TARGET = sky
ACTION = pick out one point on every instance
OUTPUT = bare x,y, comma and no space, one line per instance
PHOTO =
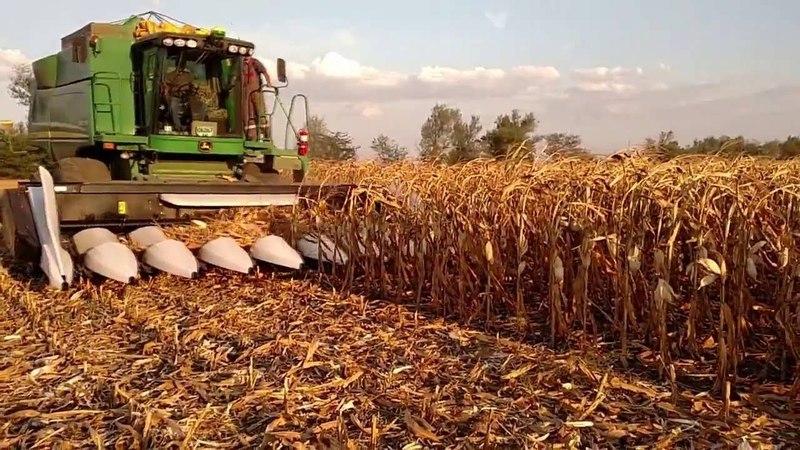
614,72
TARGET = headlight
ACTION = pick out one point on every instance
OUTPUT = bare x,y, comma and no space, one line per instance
180,42
242,50
167,42
233,48
191,43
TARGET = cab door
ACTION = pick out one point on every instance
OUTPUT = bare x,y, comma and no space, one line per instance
150,87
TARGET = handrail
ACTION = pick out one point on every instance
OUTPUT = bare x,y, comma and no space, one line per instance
289,120
97,81
270,112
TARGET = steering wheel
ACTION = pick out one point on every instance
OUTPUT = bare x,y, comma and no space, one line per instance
185,91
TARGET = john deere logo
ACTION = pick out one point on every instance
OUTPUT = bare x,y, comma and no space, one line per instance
204,146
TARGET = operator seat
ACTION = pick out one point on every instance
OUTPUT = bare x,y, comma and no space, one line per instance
180,92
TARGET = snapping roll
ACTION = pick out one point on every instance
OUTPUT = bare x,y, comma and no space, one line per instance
226,253
104,255
273,249
322,249
166,255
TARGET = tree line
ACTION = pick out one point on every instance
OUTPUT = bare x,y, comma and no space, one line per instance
667,147
446,137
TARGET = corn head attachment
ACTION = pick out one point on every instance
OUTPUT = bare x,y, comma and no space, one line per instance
62,226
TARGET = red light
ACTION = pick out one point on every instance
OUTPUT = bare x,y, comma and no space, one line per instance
302,143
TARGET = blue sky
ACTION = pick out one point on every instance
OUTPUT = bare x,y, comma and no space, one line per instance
614,71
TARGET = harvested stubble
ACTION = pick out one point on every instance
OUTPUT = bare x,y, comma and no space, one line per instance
695,259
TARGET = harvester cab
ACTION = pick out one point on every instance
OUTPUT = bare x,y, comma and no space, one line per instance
155,99
150,120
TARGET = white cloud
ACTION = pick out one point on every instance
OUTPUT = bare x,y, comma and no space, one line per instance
548,73
450,75
334,65
10,57
334,77
607,73
371,110
664,66
618,80
605,86
9,109
497,19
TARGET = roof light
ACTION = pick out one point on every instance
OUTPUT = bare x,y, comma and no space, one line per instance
242,50
250,51
167,42
191,43
233,48
180,42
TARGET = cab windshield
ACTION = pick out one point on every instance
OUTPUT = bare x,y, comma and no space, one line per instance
199,93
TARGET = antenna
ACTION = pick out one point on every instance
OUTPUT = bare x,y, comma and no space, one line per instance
155,16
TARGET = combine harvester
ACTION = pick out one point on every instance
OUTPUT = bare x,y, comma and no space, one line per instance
147,121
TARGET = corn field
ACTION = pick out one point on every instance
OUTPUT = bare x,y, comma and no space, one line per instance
687,262
587,277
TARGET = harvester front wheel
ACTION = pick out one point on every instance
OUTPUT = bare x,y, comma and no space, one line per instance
81,170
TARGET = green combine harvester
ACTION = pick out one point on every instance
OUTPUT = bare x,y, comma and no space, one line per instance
150,120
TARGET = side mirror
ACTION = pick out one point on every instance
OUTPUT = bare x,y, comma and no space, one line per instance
281,70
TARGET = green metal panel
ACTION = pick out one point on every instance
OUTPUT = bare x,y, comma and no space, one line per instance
45,71
70,110
191,144
69,71
122,139
112,86
269,148
39,112
194,170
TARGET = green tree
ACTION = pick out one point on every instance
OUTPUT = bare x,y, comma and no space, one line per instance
445,136
438,133
325,144
665,145
387,149
18,159
790,148
467,141
20,85
510,132
562,144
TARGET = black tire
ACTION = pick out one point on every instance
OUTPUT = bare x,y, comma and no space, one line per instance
81,170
